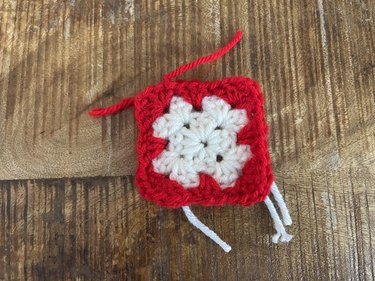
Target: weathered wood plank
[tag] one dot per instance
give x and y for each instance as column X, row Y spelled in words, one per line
column 100, row 229
column 314, row 59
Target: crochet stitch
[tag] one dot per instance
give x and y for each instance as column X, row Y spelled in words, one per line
column 241, row 93
column 201, row 142
column 204, row 143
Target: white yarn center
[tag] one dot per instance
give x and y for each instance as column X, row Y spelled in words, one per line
column 201, row 142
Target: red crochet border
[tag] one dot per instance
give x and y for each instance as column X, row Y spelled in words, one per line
column 240, row 92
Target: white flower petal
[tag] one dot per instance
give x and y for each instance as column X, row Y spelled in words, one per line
column 236, row 120
column 164, row 162
column 216, row 107
column 201, row 142
column 179, row 105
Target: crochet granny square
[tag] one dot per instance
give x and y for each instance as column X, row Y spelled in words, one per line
column 202, row 143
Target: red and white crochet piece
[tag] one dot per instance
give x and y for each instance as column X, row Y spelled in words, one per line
column 204, row 143
column 201, row 142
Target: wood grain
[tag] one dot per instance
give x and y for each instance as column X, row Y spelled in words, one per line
column 314, row 60
column 69, row 209
column 100, row 229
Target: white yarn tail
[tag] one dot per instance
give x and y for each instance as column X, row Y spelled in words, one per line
column 280, row 201
column 281, row 234
column 208, row 232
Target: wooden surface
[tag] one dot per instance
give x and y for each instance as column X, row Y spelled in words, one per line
column 69, row 209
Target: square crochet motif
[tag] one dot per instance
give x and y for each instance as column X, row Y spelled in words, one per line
column 254, row 180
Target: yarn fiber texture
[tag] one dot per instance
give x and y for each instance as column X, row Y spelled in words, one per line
column 204, row 143
column 252, row 178
column 201, row 142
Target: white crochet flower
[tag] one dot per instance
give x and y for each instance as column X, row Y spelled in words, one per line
column 201, row 142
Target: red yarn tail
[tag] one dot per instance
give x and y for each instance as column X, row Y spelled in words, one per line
column 124, row 104
column 219, row 53
column 127, row 102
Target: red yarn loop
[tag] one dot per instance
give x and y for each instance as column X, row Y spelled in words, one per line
column 219, row 53
column 127, row 102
